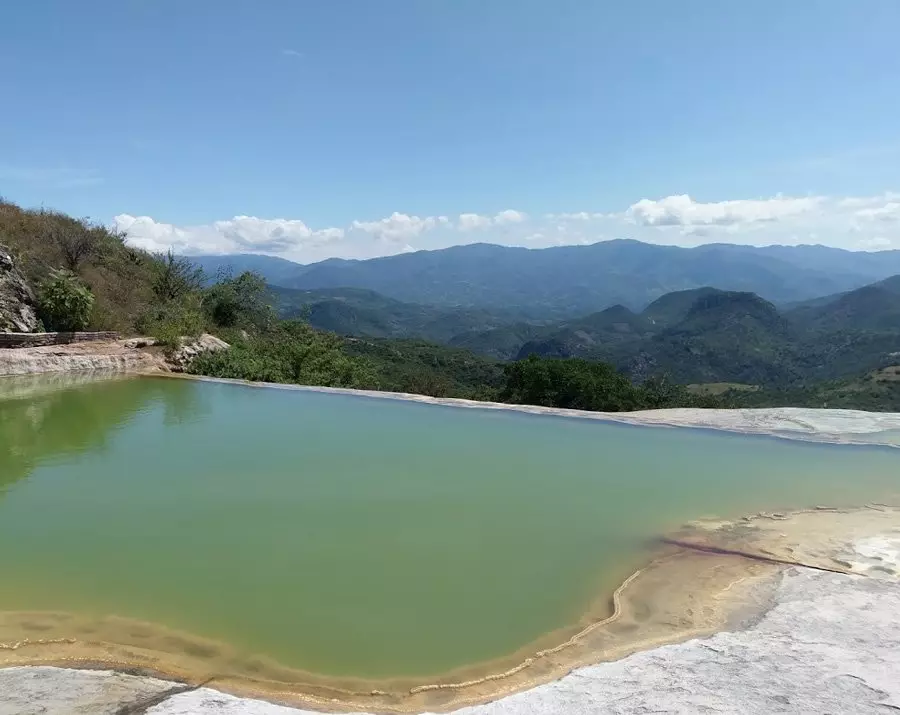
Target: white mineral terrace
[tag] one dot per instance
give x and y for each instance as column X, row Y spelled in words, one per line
column 819, row 425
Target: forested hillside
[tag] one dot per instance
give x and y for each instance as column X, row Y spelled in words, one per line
column 700, row 335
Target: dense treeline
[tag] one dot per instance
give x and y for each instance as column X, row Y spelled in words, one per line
column 590, row 385
column 293, row 352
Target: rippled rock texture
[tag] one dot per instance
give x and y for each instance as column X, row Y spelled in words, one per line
column 17, row 302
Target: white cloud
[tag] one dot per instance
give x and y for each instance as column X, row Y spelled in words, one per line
column 577, row 216
column 889, row 211
column 398, row 226
column 272, row 235
column 143, row 232
column 509, row 216
column 291, row 53
column 241, row 234
column 682, row 210
column 860, row 223
column 472, row 222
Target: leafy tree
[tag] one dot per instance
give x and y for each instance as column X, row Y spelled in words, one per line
column 176, row 310
column 574, row 384
column 239, row 302
column 65, row 302
column 425, row 368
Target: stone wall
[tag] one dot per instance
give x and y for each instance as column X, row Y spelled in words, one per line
column 33, row 340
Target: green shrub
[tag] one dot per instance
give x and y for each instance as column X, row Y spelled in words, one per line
column 239, row 302
column 292, row 353
column 65, row 302
column 175, row 321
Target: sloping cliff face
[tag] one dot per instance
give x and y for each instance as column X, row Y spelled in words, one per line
column 181, row 359
column 17, row 302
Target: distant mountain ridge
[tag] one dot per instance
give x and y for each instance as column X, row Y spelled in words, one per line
column 358, row 311
column 274, row 270
column 705, row 332
column 567, row 281
column 872, row 307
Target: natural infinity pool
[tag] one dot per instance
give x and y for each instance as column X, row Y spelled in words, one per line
column 360, row 537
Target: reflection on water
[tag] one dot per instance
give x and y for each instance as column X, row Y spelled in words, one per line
column 25, row 386
column 43, row 417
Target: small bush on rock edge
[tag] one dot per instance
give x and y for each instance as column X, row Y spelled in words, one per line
column 65, row 303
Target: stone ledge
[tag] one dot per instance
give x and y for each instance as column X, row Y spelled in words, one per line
column 34, row 340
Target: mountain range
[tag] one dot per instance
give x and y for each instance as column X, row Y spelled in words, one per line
column 567, row 281
column 781, row 334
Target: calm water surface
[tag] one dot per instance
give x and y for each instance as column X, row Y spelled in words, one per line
column 354, row 536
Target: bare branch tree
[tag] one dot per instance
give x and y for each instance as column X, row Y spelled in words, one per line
column 175, row 276
column 76, row 243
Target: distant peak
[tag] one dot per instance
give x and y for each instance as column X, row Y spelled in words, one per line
column 617, row 309
column 718, row 299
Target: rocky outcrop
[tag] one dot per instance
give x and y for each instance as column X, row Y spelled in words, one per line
column 112, row 356
column 190, row 348
column 18, row 312
column 131, row 355
column 36, row 340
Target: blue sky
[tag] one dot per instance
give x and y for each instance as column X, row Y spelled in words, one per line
column 359, row 128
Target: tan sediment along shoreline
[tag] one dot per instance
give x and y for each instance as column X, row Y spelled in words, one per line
column 681, row 594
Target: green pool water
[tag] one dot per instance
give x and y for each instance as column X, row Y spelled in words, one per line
column 351, row 536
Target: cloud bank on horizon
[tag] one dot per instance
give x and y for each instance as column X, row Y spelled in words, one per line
column 866, row 223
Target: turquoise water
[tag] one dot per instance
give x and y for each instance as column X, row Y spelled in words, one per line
column 351, row 536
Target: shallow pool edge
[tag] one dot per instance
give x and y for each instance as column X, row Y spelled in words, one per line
column 814, row 540
column 684, row 678
column 809, row 424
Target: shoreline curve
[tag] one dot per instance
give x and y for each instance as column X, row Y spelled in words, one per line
column 718, row 588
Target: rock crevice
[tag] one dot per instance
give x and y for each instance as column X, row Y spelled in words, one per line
column 18, row 305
